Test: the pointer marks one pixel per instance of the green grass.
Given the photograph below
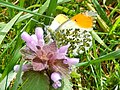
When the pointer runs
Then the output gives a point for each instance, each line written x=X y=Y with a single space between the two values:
x=99 y=68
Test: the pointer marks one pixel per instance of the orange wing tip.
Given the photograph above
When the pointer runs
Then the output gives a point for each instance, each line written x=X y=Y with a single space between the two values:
x=84 y=20
x=58 y=20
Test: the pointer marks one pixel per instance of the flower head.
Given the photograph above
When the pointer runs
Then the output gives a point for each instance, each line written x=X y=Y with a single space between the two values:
x=46 y=56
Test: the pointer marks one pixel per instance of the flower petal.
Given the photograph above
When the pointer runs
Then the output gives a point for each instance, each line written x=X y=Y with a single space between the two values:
x=26 y=37
x=38 y=66
x=71 y=61
x=52 y=47
x=58 y=83
x=27 y=53
x=34 y=37
x=32 y=45
x=59 y=56
x=64 y=49
x=39 y=33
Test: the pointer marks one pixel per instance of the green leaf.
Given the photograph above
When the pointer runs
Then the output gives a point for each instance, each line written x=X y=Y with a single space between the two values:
x=41 y=10
x=35 y=81
x=26 y=16
x=44 y=7
x=65 y=10
x=8 y=26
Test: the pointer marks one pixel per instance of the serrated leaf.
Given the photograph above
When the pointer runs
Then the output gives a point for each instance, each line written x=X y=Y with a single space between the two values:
x=35 y=81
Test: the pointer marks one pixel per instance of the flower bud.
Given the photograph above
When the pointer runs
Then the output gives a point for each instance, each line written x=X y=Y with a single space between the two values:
x=55 y=76
x=57 y=84
x=16 y=68
x=25 y=67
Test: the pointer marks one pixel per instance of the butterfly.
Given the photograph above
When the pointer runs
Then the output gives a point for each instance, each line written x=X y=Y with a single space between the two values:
x=74 y=31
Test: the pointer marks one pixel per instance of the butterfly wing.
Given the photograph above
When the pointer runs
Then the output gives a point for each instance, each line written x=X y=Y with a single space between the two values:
x=74 y=31
x=71 y=33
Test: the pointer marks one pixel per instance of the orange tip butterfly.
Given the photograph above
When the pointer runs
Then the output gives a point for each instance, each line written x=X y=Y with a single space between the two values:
x=74 y=31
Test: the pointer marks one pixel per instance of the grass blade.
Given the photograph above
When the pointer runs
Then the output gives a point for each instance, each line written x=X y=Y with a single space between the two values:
x=101 y=12
x=115 y=26
x=109 y=56
x=11 y=64
x=97 y=38
x=11 y=76
x=18 y=77
x=63 y=1
x=8 y=26
x=51 y=10
x=19 y=8
x=101 y=22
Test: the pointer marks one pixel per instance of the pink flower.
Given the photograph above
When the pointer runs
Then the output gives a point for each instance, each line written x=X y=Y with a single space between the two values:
x=55 y=76
x=47 y=56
